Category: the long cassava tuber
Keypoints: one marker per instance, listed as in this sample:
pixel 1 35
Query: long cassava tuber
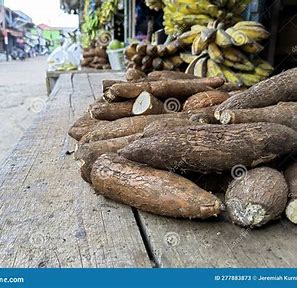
pixel 151 190
pixel 280 88
pixel 164 89
pixel 83 126
pixel 257 197
pixel 89 152
pixel 206 148
pixel 291 178
pixel 205 99
pixel 111 111
pixel 126 126
pixel 283 113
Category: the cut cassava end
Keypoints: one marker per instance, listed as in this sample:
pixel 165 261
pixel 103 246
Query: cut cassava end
pixel 151 190
pixel 125 127
pixel 111 111
pixel 279 88
pixel 291 177
pixel 283 113
pixel 256 198
pixel 204 115
pixel 207 148
pixel 89 152
pixel 205 99
pixel 147 104
pixel 83 126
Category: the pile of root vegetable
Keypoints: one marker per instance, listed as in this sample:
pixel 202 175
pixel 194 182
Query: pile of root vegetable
pixel 172 144
pixel 95 57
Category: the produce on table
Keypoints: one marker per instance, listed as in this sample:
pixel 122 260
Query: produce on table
pixel 206 38
pixel 205 99
pixel 95 38
pixel 89 152
pixel 256 198
pixel 291 178
pixel 125 127
pixel 152 190
pixel 182 143
pixel 83 126
pixel 209 148
pixel 225 52
pixel 180 15
pixel 282 113
pixel 111 111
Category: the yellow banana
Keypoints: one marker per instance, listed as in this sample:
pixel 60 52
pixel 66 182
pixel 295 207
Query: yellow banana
pixel 215 53
pixel 249 79
pixel 188 37
pixel 198 45
pixel 254 33
pixel 233 54
pixel 262 72
pixel 239 38
pixel 223 39
pixel 230 76
pixel 213 69
pixel 252 48
pixel 200 69
pixel 187 57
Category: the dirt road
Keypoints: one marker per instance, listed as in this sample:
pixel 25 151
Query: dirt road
pixel 22 96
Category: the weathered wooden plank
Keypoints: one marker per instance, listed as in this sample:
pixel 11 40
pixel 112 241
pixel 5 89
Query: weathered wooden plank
pixel 48 216
pixel 184 243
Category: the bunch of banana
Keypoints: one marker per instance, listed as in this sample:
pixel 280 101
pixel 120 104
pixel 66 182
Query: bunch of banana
pixel 226 53
pixel 107 11
pixel 154 4
pixel 147 57
pixel 179 15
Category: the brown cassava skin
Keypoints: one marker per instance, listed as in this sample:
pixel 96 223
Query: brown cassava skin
pixel 207 148
pixel 256 198
pixel 151 190
pixel 111 111
pixel 165 89
pixel 106 84
pixel 133 74
pixel 204 115
pixel 83 126
pixel 89 152
pixel 125 127
pixel 291 177
pixel 159 126
pixel 280 88
pixel 284 113
pixel 205 99
pixel 173 75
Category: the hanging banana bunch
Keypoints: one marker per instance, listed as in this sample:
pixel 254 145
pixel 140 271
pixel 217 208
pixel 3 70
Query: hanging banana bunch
pixel 107 11
pixel 226 53
pixel 179 15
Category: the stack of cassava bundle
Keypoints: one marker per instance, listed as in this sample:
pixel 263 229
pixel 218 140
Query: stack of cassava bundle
pixel 160 142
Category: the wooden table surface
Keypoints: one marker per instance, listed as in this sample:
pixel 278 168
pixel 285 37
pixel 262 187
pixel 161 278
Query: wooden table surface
pixel 49 217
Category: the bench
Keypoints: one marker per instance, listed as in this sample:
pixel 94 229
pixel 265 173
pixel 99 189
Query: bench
pixel 49 217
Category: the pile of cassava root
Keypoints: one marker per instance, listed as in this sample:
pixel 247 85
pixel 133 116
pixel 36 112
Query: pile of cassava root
pixel 181 146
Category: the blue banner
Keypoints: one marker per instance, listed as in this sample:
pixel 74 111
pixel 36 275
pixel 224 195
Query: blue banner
pixel 148 278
